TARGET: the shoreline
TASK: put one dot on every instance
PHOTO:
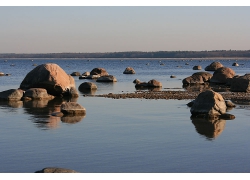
(176, 95)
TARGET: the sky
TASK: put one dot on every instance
(29, 28)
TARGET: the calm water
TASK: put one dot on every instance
(124, 135)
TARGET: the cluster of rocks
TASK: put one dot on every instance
(221, 76)
(45, 82)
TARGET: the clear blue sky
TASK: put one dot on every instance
(54, 29)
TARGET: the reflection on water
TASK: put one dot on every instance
(41, 111)
(211, 129)
(87, 91)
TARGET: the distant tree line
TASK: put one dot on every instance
(137, 54)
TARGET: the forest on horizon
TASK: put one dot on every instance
(137, 54)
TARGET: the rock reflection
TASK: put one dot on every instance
(41, 112)
(211, 129)
(13, 104)
(72, 119)
(206, 86)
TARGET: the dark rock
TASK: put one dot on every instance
(240, 83)
(11, 95)
(108, 78)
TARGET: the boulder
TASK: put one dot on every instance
(50, 77)
(235, 64)
(197, 78)
(55, 170)
(11, 95)
(240, 83)
(129, 70)
(136, 81)
(99, 71)
(150, 84)
(208, 104)
(213, 66)
(86, 74)
(197, 67)
(222, 75)
(75, 74)
(87, 85)
(72, 108)
(108, 78)
(37, 93)
(154, 83)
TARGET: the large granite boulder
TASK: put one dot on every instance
(222, 75)
(213, 66)
(240, 83)
(50, 77)
(99, 71)
(37, 94)
(129, 70)
(208, 104)
(11, 95)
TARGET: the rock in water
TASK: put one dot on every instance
(209, 103)
(50, 77)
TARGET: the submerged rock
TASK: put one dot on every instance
(55, 170)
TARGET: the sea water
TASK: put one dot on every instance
(121, 135)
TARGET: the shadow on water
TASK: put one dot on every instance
(41, 111)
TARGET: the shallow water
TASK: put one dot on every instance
(120, 135)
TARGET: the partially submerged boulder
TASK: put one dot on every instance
(208, 104)
(109, 78)
(129, 70)
(75, 74)
(99, 71)
(37, 94)
(55, 170)
(152, 83)
(87, 86)
(72, 108)
(240, 83)
(198, 67)
(198, 78)
(50, 77)
(11, 95)
(223, 75)
(213, 66)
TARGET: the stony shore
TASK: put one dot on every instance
(178, 95)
